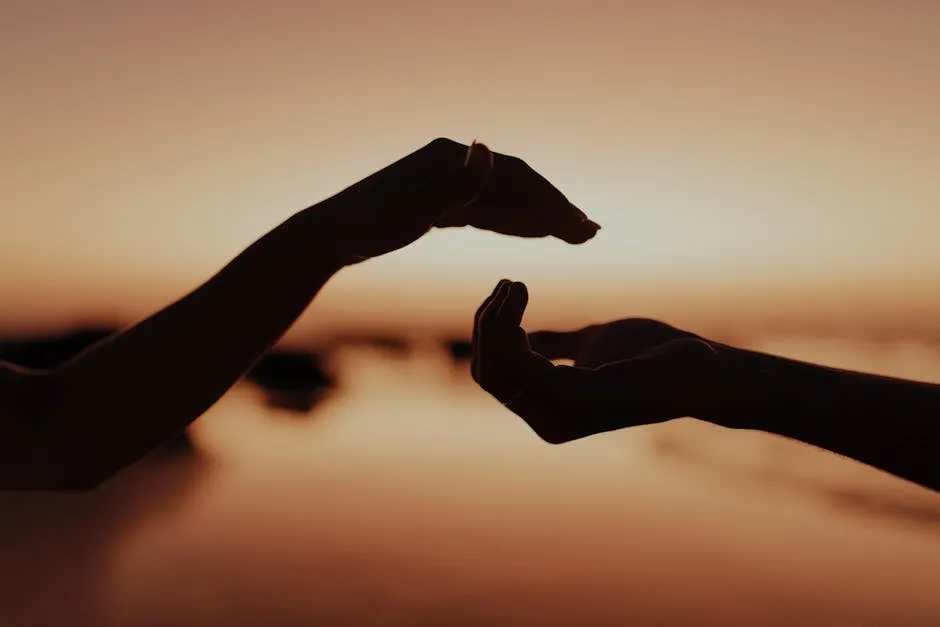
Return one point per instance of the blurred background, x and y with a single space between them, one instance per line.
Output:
765 173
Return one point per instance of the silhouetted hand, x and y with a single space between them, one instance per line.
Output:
447 184
629 372
76 425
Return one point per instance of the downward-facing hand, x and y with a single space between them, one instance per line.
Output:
447 184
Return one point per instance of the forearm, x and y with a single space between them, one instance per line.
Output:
892 424
122 397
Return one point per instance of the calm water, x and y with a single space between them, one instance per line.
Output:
410 498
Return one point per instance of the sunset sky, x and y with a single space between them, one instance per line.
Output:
739 148
748 160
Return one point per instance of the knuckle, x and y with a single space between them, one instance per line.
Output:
514 165
639 325
643 330
697 347
692 354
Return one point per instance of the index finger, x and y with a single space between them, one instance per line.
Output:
476 336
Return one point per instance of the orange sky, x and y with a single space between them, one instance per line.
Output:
144 144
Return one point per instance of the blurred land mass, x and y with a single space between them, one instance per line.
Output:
298 371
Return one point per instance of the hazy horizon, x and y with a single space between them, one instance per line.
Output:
756 145
350 302
763 172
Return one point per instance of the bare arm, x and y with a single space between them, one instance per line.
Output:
24 397
638 371
110 405
122 397
114 402
892 424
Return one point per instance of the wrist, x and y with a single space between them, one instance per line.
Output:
454 169
393 207
767 392
735 393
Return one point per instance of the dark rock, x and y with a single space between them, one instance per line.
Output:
459 350
292 380
394 345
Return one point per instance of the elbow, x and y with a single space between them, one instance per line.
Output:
68 471
78 469
58 477
71 486
71 464
42 455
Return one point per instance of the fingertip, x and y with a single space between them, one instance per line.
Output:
587 232
519 294
493 296
577 237
577 228
514 304
500 292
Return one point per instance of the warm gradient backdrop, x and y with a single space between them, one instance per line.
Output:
750 161
770 153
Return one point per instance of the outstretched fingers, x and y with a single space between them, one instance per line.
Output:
561 218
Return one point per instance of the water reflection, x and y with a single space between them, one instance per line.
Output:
414 499
58 550
764 463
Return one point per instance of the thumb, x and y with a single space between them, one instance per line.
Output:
475 174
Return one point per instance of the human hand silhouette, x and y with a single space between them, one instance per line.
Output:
447 184
628 372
